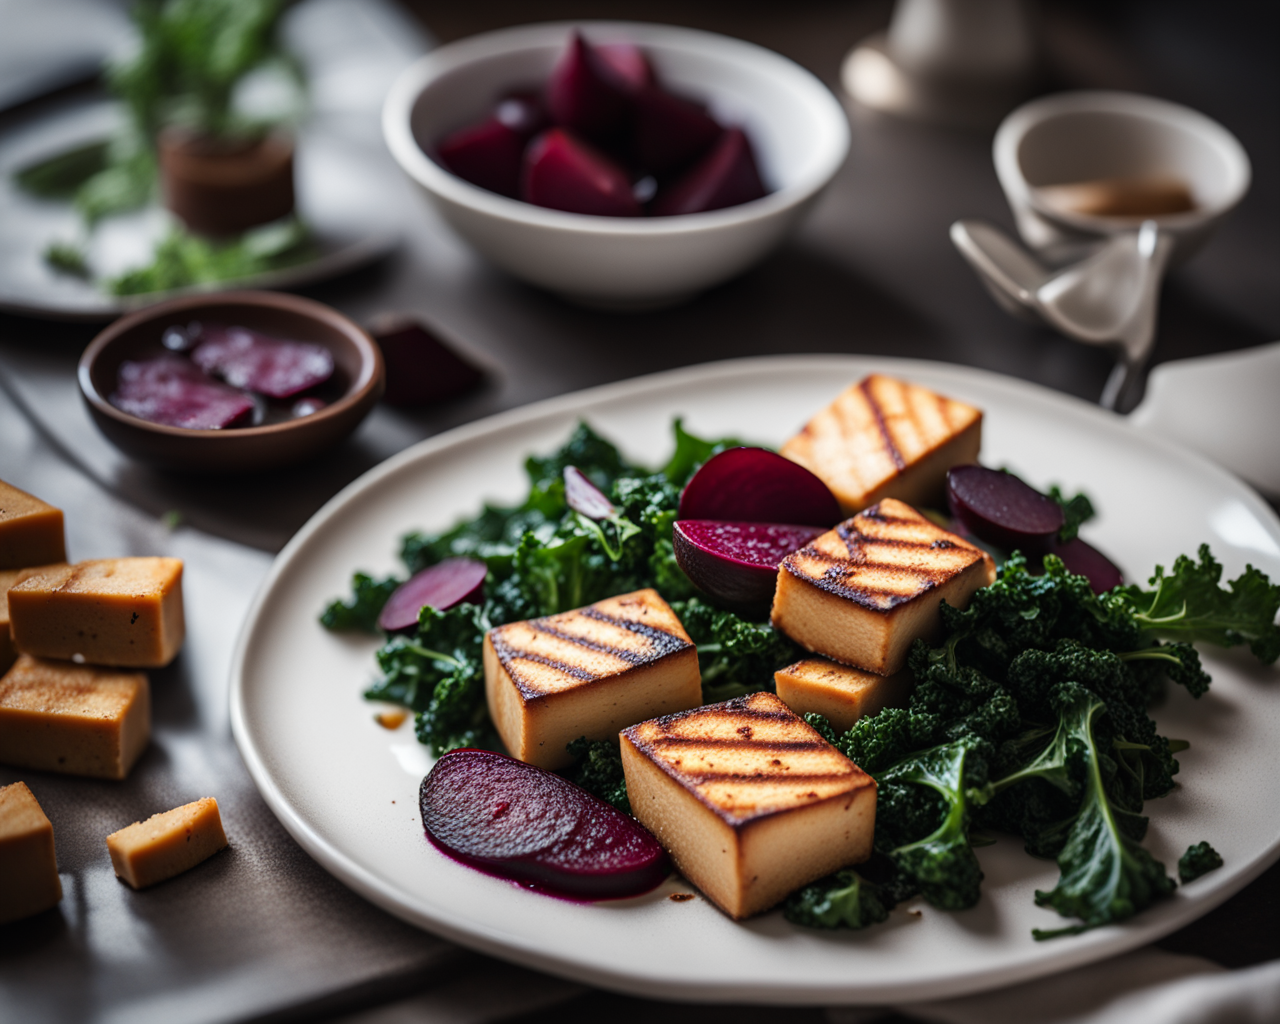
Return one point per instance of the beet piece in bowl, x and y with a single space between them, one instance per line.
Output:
249 359
171 391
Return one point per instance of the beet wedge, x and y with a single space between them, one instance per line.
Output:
670 131
726 176
629 65
564 173
516 821
488 154
443 585
255 361
171 391
585 93
756 485
736 563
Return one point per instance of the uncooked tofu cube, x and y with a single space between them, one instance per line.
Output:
587 672
9 578
750 802
167 844
885 438
31 531
839 693
863 592
57 716
29 880
124 612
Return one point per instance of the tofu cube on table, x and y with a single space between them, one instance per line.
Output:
587 672
10 578
861 593
124 612
839 693
31 531
29 880
57 716
167 844
885 438
748 799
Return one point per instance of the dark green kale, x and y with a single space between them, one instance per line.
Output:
1107 876
842 900
1198 860
597 768
362 609
736 656
1189 604
1075 510
941 861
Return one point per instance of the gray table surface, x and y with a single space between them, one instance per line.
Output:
263 931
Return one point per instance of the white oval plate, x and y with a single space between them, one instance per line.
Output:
346 788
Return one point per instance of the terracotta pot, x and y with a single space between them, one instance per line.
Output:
219 187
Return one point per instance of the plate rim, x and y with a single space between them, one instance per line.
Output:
1099 944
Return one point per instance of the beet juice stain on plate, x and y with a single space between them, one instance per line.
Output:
515 821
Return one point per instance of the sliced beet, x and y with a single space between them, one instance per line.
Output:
737 562
726 176
629 65
755 485
1000 508
670 131
421 369
511 819
564 173
255 361
1085 560
585 94
583 496
488 154
172 391
441 586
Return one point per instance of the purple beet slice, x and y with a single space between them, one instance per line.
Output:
255 361
442 586
564 173
171 391
487 154
670 131
585 94
736 562
726 176
1084 559
583 496
511 819
421 369
755 485
629 65
998 507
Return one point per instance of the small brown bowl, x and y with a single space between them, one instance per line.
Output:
358 376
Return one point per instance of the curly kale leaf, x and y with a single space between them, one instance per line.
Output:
942 862
362 610
1076 510
842 900
1198 860
597 768
1107 876
1190 604
736 656
877 741
1178 661
691 452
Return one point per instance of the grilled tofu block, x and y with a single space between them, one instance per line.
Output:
123 612
750 802
861 593
31 531
885 438
29 880
587 672
839 693
57 716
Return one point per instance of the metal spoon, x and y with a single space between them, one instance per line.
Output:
1109 298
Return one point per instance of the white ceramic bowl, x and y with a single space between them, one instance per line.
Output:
1078 136
797 127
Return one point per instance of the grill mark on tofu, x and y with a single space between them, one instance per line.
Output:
877 414
509 654
662 643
